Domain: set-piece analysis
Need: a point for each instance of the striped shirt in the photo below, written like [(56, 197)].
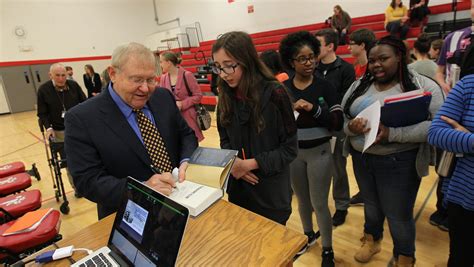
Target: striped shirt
[(459, 106)]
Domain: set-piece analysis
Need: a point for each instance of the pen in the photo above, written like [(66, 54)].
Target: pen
[(243, 153), (155, 169)]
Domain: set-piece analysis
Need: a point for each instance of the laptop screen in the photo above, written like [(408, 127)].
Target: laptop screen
[(148, 227)]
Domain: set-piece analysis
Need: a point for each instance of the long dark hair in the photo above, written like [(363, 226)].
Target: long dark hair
[(239, 46), (404, 76), (392, 4)]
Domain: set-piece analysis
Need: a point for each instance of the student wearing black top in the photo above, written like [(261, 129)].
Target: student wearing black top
[(319, 111), (255, 117), (341, 75), (92, 81)]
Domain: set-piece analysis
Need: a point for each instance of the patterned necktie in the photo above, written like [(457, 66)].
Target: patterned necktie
[(153, 142)]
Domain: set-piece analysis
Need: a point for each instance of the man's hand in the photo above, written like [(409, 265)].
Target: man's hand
[(162, 183), (179, 104), (182, 171), (344, 31), (454, 124), (446, 88), (50, 134), (242, 169), (358, 126)]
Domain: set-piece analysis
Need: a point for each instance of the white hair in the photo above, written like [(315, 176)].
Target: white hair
[(56, 65), (124, 52)]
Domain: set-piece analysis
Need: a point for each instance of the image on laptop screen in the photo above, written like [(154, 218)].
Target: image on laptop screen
[(148, 227)]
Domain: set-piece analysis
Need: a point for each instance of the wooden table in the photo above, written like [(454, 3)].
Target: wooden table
[(224, 235)]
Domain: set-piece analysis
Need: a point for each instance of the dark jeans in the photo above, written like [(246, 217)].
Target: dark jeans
[(341, 36), (461, 235), (395, 27), (389, 185)]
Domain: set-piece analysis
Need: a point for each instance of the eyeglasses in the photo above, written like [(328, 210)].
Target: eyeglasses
[(138, 81), (303, 60), (226, 69)]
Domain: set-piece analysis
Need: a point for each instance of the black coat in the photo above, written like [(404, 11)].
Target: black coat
[(341, 75), (93, 86), (274, 149), (102, 149)]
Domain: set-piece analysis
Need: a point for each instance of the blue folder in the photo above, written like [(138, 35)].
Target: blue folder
[(406, 113)]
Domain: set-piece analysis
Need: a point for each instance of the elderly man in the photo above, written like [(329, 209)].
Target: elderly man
[(55, 98), (131, 129)]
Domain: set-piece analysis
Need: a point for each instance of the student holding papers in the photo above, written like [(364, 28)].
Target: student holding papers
[(388, 172), (254, 117)]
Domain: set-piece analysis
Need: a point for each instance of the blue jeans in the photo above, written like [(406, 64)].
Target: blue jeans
[(389, 185), (396, 27)]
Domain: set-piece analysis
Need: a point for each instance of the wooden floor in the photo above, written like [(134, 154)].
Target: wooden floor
[(20, 140)]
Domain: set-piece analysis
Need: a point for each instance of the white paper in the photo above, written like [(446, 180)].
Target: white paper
[(297, 114), (372, 115)]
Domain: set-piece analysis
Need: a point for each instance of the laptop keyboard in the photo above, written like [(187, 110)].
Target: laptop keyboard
[(99, 260)]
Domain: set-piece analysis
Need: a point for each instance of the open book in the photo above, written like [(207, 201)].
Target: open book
[(211, 167), (28, 222)]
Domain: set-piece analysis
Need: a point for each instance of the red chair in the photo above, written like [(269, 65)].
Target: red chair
[(11, 168), (14, 206), (14, 183), (16, 247), (18, 167)]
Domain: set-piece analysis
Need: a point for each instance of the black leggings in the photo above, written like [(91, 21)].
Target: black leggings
[(461, 235)]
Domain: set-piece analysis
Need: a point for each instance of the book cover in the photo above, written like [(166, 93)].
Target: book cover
[(28, 222), (211, 166), (407, 112), (196, 197)]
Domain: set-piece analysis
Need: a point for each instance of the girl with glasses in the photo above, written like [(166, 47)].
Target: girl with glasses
[(185, 89), (315, 100), (254, 116)]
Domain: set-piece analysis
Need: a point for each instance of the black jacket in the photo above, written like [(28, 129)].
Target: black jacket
[(341, 75), (274, 149), (102, 149), (93, 86)]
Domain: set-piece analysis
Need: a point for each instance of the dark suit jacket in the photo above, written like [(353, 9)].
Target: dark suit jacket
[(102, 149), (95, 87)]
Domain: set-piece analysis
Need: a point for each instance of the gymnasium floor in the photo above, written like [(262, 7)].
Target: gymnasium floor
[(20, 140)]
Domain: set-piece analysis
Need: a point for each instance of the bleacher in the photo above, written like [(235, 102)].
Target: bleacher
[(271, 40)]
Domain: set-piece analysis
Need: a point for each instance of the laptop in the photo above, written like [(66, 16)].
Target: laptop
[(147, 231)]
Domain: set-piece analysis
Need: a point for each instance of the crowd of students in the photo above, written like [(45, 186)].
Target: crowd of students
[(283, 131)]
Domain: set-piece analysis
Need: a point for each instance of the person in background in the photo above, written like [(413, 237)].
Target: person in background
[(418, 12), (272, 60), (69, 73), (396, 19), (184, 87), (341, 23), (55, 98), (341, 75), (452, 130), (92, 81), (105, 78), (255, 117), (389, 172), (360, 41), (131, 129), (423, 64), (435, 48), (319, 113)]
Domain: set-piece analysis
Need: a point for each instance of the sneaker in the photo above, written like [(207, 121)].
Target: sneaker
[(327, 258), (444, 225), (357, 199), (339, 217), (312, 237), (436, 218)]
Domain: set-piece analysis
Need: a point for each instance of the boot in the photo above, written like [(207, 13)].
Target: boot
[(404, 261), (368, 249)]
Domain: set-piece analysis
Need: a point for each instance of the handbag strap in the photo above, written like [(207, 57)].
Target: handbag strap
[(186, 84)]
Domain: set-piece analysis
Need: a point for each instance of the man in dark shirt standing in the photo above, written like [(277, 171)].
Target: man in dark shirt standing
[(341, 75), (55, 98)]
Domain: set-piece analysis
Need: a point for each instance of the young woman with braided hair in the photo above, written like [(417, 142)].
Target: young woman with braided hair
[(389, 172)]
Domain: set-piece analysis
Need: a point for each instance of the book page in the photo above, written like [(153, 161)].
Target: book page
[(372, 115), (212, 156)]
